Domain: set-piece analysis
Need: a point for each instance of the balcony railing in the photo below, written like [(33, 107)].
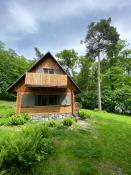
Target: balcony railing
[(45, 80)]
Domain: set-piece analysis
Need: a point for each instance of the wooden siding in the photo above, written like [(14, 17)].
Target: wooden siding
[(55, 109), (46, 80)]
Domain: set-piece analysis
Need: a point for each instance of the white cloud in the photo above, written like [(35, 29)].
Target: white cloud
[(123, 27), (21, 20)]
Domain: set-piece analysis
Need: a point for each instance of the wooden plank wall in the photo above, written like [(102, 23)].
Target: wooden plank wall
[(55, 109), (49, 80)]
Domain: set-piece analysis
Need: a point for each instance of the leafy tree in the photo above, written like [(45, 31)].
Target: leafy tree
[(11, 67), (118, 100), (68, 59), (100, 37)]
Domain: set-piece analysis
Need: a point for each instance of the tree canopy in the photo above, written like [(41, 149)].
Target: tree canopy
[(11, 67), (68, 59)]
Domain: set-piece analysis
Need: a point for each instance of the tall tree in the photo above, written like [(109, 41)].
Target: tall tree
[(68, 59), (99, 38), (38, 53)]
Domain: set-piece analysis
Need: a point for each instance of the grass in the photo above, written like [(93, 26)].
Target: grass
[(114, 135), (101, 146), (76, 153), (6, 107)]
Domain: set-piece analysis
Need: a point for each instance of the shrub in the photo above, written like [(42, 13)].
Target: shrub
[(84, 114), (51, 123), (26, 149), (68, 121), (19, 119), (10, 114)]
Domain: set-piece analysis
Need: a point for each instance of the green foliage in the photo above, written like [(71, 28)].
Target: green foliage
[(88, 99), (11, 67), (20, 153), (116, 80), (84, 114), (52, 123), (15, 119), (68, 121), (68, 59), (19, 119), (118, 101), (100, 37)]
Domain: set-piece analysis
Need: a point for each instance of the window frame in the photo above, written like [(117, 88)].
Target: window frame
[(51, 100)]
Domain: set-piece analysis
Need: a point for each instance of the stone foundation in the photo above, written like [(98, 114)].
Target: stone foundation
[(46, 117)]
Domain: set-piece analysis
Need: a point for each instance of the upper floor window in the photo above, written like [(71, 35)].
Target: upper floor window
[(51, 71), (48, 71)]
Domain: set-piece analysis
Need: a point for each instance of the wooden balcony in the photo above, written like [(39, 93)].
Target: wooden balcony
[(45, 80)]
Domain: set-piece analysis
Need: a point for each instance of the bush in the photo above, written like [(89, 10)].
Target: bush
[(10, 114), (20, 153), (68, 121), (19, 119), (84, 114), (51, 123)]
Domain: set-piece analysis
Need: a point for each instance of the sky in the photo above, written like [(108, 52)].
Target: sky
[(54, 25)]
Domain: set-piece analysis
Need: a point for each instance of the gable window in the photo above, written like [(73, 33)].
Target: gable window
[(51, 71), (45, 71), (48, 71)]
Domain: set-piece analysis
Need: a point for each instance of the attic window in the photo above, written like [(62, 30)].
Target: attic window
[(51, 71), (45, 71)]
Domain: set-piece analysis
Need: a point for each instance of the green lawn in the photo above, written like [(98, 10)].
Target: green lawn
[(6, 107), (100, 145), (103, 147)]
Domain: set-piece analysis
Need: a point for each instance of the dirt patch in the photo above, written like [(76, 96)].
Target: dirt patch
[(109, 169), (90, 126)]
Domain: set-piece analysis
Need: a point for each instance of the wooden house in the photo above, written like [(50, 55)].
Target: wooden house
[(45, 88)]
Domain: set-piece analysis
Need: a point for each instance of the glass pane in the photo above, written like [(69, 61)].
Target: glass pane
[(51, 71), (45, 71)]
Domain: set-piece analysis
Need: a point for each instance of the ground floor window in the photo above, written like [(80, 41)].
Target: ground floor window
[(42, 100), (30, 100)]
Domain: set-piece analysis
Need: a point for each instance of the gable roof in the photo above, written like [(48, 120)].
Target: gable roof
[(48, 54)]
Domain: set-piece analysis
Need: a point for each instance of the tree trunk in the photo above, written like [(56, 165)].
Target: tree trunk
[(99, 83)]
